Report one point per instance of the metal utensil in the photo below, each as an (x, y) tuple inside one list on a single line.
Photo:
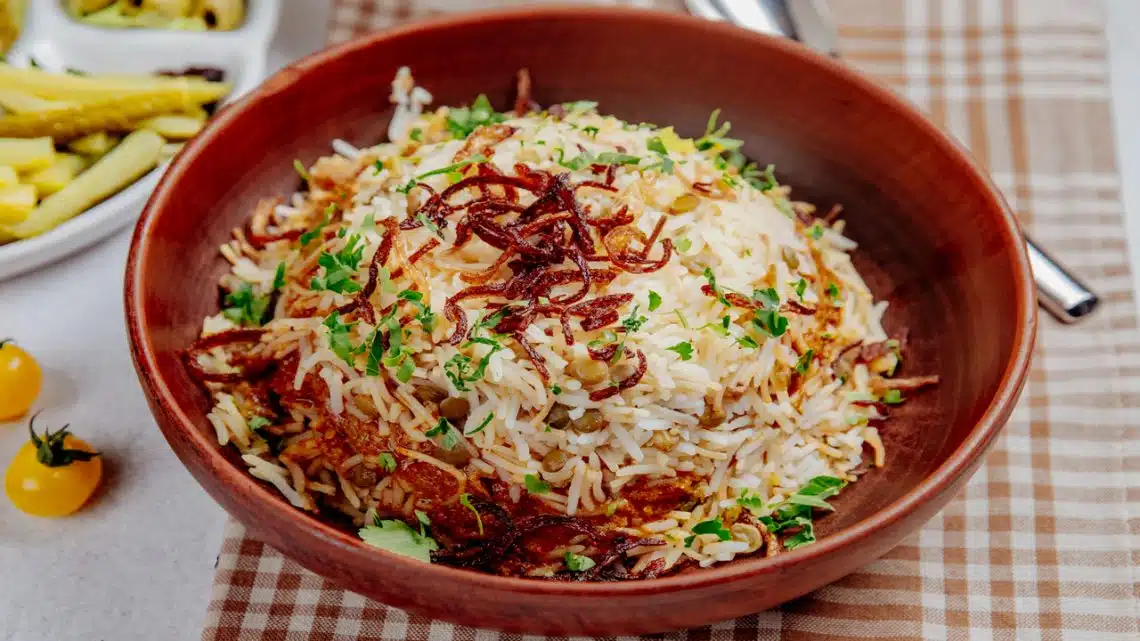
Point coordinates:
[(809, 21)]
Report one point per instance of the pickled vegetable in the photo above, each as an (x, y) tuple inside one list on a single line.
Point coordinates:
[(169, 8), (191, 15), (174, 127), (16, 202), (194, 91), (95, 144), (83, 7), (171, 149), (115, 114), (65, 168), (26, 154), (11, 18), (223, 15), (138, 153), (8, 176), (19, 102)]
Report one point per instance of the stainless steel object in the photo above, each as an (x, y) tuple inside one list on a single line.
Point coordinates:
[(809, 21)]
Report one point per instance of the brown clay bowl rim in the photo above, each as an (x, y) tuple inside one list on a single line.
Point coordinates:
[(209, 457)]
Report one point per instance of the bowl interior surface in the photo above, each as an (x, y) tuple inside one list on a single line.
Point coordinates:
[(934, 239)]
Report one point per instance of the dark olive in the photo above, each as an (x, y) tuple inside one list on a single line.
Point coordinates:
[(454, 408)]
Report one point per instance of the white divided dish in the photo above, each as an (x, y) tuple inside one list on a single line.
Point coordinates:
[(57, 42)]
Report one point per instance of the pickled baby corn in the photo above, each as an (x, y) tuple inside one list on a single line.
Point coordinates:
[(137, 154), (62, 148), (11, 19), (106, 114)]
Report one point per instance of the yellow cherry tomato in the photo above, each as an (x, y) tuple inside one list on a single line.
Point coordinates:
[(20, 380), (53, 474)]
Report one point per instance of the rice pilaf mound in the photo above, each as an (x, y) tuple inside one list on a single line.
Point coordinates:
[(550, 343)]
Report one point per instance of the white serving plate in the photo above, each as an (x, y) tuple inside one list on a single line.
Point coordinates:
[(57, 42)]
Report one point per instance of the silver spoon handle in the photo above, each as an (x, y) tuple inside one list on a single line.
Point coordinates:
[(1058, 291), (809, 21)]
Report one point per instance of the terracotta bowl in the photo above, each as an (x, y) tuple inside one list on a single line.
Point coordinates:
[(935, 238)]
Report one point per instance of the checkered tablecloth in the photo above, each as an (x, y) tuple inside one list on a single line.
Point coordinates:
[(1045, 541)]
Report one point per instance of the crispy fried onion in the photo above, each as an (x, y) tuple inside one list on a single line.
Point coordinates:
[(546, 244), (491, 553), (361, 302), (247, 367)]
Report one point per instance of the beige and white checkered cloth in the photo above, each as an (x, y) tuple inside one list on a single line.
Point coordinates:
[(1045, 541)]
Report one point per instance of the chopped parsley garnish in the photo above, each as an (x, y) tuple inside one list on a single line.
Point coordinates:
[(432, 227), (815, 231), (666, 164), (574, 164), (340, 268), (721, 327), (747, 342), (462, 121), (387, 462), (683, 245), (801, 287), (482, 425), (425, 522), (713, 526), (716, 137), (301, 170), (768, 298), (770, 322), (279, 276), (477, 158), (615, 158), (396, 537), (630, 324), (762, 180), (416, 134), (398, 354), (832, 290), (892, 397), (556, 389), (465, 501), (462, 371), (369, 223), (580, 105), (258, 422), (308, 236), (654, 300), (711, 278), (591, 131), (796, 511), (443, 429), (577, 562), (535, 485), (750, 501), (424, 315), (804, 361), (340, 339), (681, 318), (244, 308), (684, 350), (768, 318)]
